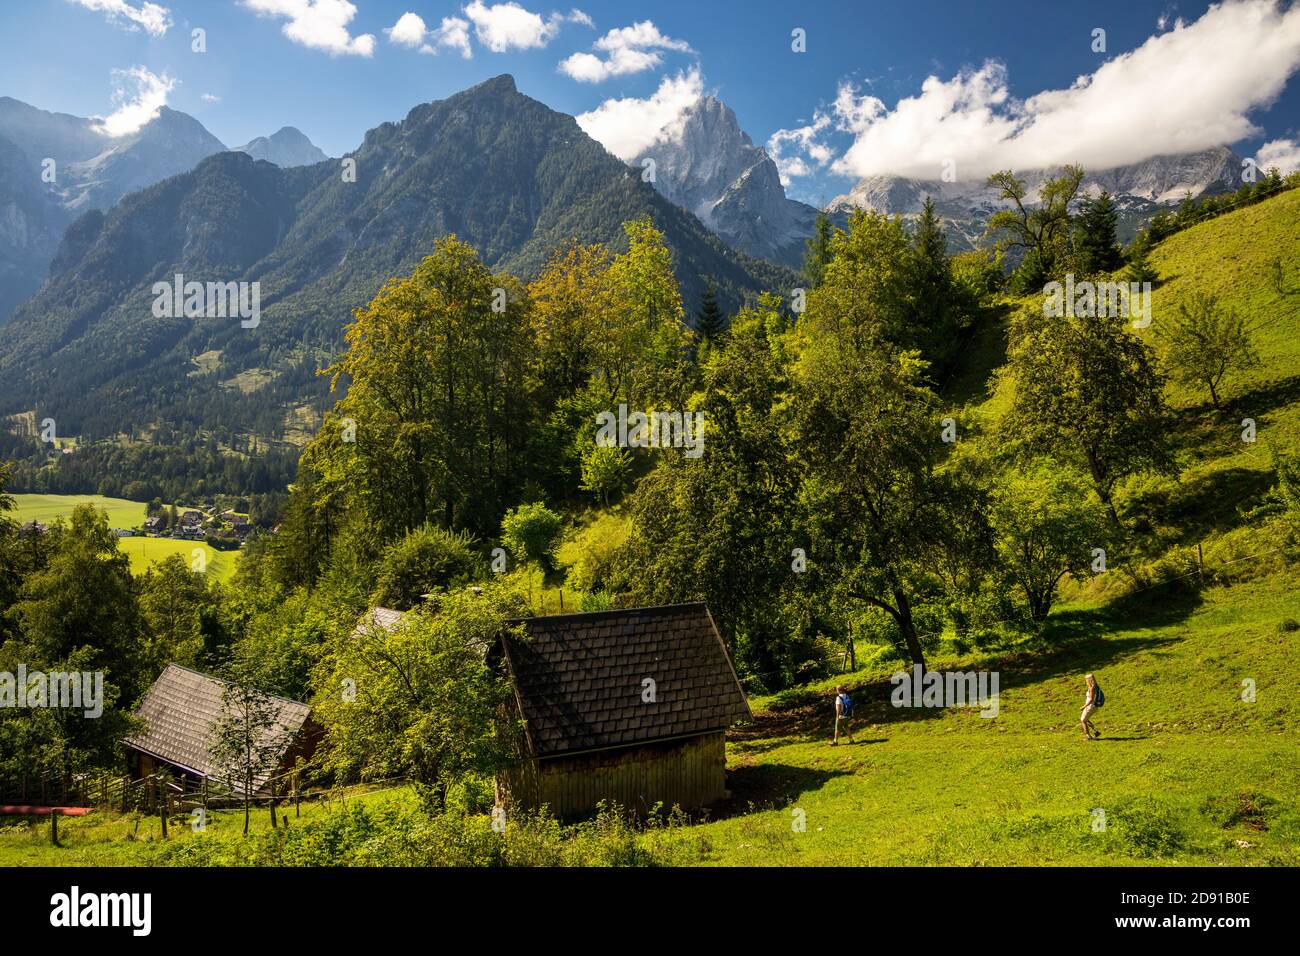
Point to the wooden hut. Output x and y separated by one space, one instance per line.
627 706
179 711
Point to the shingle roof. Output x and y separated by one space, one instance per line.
579 678
384 618
179 711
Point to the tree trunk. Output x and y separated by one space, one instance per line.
908 629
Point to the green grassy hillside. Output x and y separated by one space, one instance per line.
1200 760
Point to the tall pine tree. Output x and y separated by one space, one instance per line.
818 249
1095 243
709 322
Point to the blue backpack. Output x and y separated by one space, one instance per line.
1098 698
846 705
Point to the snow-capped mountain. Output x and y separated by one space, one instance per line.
1140 190
286 147
713 169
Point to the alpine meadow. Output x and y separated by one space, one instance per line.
738 438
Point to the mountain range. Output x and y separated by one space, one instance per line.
711 167
1141 190
497 168
54 167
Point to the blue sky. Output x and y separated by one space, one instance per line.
856 102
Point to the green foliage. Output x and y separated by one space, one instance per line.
427 559
1042 230
1047 525
1088 391
85 599
1140 269
530 532
1096 247
1206 342
709 320
422 700
818 252
246 740
176 602
606 471
978 272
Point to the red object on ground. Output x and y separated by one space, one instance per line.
24 810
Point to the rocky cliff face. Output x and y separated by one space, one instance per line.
712 168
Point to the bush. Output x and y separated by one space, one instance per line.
530 532
429 558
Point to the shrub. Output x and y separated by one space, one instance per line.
530 532
429 558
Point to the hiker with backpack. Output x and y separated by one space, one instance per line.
843 714
1094 700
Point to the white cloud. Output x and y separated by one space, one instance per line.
138 95
318 24
1187 89
210 98
811 153
454 33
628 50
410 31
1282 153
508 26
628 127
152 18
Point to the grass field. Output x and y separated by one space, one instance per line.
1186 772
125 514
47 508
145 551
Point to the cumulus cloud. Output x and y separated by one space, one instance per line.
628 127
410 31
1186 89
1282 153
627 50
809 152
210 98
138 95
318 24
508 26
150 17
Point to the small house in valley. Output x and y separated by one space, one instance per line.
179 712
627 706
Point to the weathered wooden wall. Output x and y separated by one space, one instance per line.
689 773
